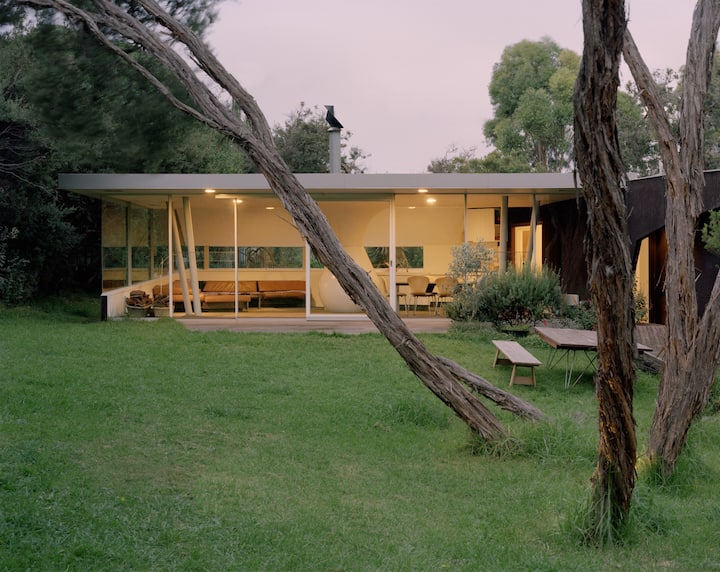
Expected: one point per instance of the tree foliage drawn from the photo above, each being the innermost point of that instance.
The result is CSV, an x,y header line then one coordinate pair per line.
x,y
531,92
711,233
304,145
464,161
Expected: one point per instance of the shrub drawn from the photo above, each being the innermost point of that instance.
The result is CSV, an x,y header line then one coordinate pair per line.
x,y
581,316
470,262
511,298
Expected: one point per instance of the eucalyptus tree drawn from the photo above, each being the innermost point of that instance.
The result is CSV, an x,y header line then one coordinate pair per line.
x,y
609,264
531,92
692,350
102,117
150,25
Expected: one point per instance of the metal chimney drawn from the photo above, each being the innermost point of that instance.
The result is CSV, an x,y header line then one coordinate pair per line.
x,y
334,135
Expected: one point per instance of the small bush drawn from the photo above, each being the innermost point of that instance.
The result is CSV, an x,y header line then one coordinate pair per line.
x,y
509,299
581,316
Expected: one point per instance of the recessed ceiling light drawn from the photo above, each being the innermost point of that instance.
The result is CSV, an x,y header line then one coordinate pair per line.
x,y
431,200
209,191
237,201
269,208
422,190
411,208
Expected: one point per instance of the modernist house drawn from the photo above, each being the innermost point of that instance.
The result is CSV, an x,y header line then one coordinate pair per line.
x,y
232,228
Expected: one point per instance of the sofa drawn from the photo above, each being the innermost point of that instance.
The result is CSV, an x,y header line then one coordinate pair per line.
x,y
162,290
221,293
273,292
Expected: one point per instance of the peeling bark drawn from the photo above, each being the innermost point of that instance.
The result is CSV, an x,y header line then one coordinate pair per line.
x,y
691,351
607,249
250,130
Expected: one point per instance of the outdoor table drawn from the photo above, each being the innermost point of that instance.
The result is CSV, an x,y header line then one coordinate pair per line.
x,y
567,342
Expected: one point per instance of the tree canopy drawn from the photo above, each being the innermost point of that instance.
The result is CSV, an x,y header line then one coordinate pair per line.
x,y
531,92
531,131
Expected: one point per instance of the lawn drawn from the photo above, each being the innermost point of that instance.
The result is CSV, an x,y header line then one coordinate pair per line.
x,y
132,445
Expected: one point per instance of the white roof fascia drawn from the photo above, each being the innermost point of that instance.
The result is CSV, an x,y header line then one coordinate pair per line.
x,y
190,184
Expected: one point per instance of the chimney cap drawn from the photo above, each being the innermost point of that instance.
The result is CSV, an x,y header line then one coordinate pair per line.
x,y
331,119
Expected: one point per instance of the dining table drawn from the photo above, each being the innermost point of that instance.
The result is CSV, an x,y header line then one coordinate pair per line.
x,y
567,342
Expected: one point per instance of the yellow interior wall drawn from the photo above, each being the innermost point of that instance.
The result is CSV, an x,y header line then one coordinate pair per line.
x,y
256,227
642,270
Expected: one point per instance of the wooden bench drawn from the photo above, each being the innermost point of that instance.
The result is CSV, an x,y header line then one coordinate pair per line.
x,y
516,355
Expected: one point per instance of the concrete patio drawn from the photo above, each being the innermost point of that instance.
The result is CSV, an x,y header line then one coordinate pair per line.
x,y
289,324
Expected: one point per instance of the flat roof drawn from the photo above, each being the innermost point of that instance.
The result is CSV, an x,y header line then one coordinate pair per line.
x,y
132,187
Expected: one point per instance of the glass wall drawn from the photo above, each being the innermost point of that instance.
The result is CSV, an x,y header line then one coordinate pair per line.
x,y
134,244
433,223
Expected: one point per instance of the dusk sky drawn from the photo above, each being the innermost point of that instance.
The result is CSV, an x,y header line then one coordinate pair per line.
x,y
409,78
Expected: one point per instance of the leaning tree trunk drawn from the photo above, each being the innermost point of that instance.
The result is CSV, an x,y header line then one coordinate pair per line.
x,y
251,131
691,350
609,263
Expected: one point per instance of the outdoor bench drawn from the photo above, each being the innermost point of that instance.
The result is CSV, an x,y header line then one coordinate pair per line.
x,y
516,355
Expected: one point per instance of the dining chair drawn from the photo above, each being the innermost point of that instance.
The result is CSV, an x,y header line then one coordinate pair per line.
x,y
402,295
418,286
445,288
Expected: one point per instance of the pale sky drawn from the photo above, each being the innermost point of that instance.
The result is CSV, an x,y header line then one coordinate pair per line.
x,y
409,78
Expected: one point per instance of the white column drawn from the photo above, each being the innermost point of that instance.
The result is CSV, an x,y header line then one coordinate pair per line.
x,y
170,255
192,261
235,250
180,262
392,262
308,289
465,218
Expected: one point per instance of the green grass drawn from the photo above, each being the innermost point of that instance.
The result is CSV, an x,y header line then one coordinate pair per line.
x,y
142,446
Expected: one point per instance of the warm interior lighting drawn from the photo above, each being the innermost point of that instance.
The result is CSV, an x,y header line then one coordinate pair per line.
x,y
422,190
210,191
411,208
237,201
431,200
269,208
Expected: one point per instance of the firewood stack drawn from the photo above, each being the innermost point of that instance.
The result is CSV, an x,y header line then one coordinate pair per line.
x,y
137,302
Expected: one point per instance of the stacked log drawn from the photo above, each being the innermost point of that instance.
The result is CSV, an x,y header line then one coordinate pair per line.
x,y
138,303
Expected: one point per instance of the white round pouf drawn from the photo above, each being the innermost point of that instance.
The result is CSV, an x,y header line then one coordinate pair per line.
x,y
334,297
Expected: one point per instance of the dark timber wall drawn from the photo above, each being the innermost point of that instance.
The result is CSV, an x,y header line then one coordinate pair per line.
x,y
564,227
